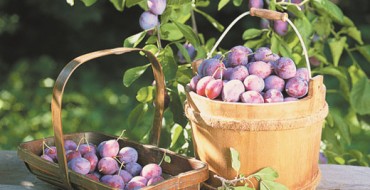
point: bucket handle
(56, 103)
(270, 15)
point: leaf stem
(193, 21)
(159, 37)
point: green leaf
(294, 9)
(338, 73)
(213, 21)
(167, 159)
(341, 124)
(235, 162)
(329, 8)
(170, 32)
(145, 94)
(365, 51)
(189, 34)
(356, 73)
(222, 3)
(134, 40)
(152, 48)
(322, 26)
(339, 160)
(237, 3)
(71, 2)
(130, 3)
(267, 174)
(242, 188)
(336, 48)
(274, 44)
(168, 62)
(251, 33)
(136, 115)
(176, 131)
(354, 33)
(134, 73)
(348, 22)
(202, 3)
(360, 96)
(88, 2)
(178, 2)
(183, 51)
(118, 4)
(271, 185)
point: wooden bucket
(285, 136)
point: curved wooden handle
(268, 14)
(56, 103)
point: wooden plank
(15, 176)
(344, 177)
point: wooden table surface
(15, 176)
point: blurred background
(37, 38)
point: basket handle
(56, 103)
(267, 14)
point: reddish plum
(281, 27)
(285, 68)
(239, 73)
(296, 87)
(232, 91)
(264, 23)
(260, 68)
(107, 165)
(85, 148)
(238, 56)
(290, 99)
(134, 185)
(255, 4)
(303, 73)
(214, 88)
(93, 159)
(157, 6)
(93, 177)
(70, 154)
(128, 154)
(202, 84)
(108, 148)
(274, 82)
(262, 54)
(253, 97)
(70, 145)
(140, 179)
(273, 95)
(46, 157)
(151, 170)
(193, 82)
(214, 68)
(51, 151)
(114, 181)
(254, 83)
(155, 180)
(79, 165)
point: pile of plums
(250, 77)
(108, 164)
(149, 19)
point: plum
(191, 51)
(128, 154)
(211, 67)
(281, 27)
(193, 82)
(151, 170)
(108, 148)
(255, 4)
(148, 20)
(254, 83)
(285, 68)
(134, 185)
(303, 73)
(46, 157)
(51, 151)
(232, 91)
(85, 148)
(260, 68)
(239, 73)
(155, 180)
(214, 88)
(107, 165)
(314, 61)
(70, 154)
(296, 87)
(140, 179)
(202, 84)
(79, 165)
(251, 97)
(238, 56)
(262, 53)
(274, 82)
(114, 181)
(157, 7)
(70, 145)
(93, 159)
(273, 95)
(133, 168)
(125, 175)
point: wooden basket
(285, 136)
(181, 173)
